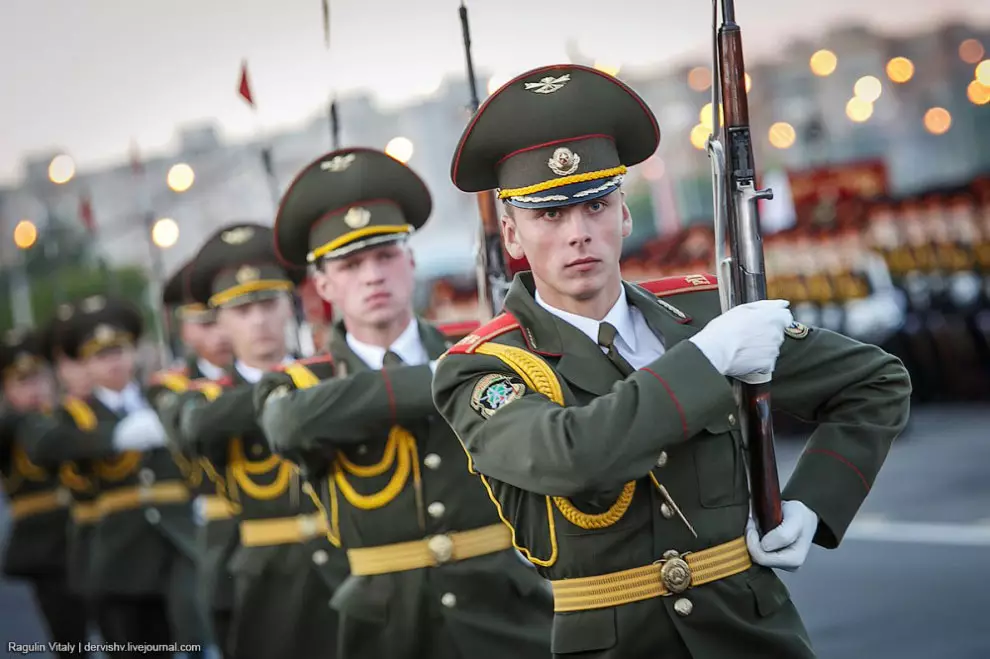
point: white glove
(785, 547)
(745, 340)
(139, 431)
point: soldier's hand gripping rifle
(741, 275)
(493, 280)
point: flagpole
(267, 159)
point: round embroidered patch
(797, 330)
(495, 391)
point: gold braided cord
(23, 464)
(119, 467)
(241, 469)
(69, 476)
(377, 469)
(406, 449)
(560, 182)
(601, 520)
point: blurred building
(807, 109)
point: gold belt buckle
(675, 573)
(441, 547)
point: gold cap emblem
(247, 273)
(564, 162)
(237, 236)
(64, 311)
(357, 217)
(104, 333)
(338, 163)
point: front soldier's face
(112, 368)
(573, 251)
(74, 376)
(372, 287)
(257, 330)
(208, 340)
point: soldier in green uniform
(600, 414)
(284, 568)
(143, 549)
(39, 504)
(433, 569)
(209, 357)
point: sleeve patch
(495, 391)
(797, 330)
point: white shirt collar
(124, 401)
(210, 370)
(252, 374)
(619, 316)
(407, 346)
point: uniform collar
(252, 374)
(121, 402)
(619, 316)
(209, 370)
(407, 346)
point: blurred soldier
(39, 504)
(601, 414)
(209, 356)
(433, 569)
(143, 548)
(285, 568)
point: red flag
(244, 88)
(86, 213)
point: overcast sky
(90, 76)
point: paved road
(911, 580)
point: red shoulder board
(668, 286)
(322, 358)
(497, 326)
(458, 330)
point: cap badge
(548, 85)
(246, 274)
(564, 162)
(237, 236)
(104, 334)
(357, 217)
(93, 304)
(338, 163)
(64, 311)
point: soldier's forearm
(47, 441)
(536, 445)
(861, 404)
(348, 410)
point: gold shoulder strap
(80, 412)
(301, 376)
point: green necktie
(391, 360)
(606, 339)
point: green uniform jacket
(558, 470)
(39, 507)
(488, 607)
(134, 547)
(217, 536)
(69, 441)
(281, 591)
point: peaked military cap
(347, 200)
(99, 323)
(175, 294)
(237, 265)
(20, 353)
(52, 337)
(555, 136)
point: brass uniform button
(436, 509)
(152, 515)
(432, 461)
(449, 600)
(146, 476)
(683, 607)
(732, 419)
(662, 459)
(666, 510)
(320, 556)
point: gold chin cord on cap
(358, 234)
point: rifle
(741, 275)
(492, 269)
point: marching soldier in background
(601, 413)
(433, 569)
(143, 549)
(284, 568)
(39, 504)
(209, 355)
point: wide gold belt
(87, 512)
(673, 574)
(282, 530)
(429, 552)
(142, 495)
(37, 503)
(216, 508)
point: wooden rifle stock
(493, 271)
(742, 276)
